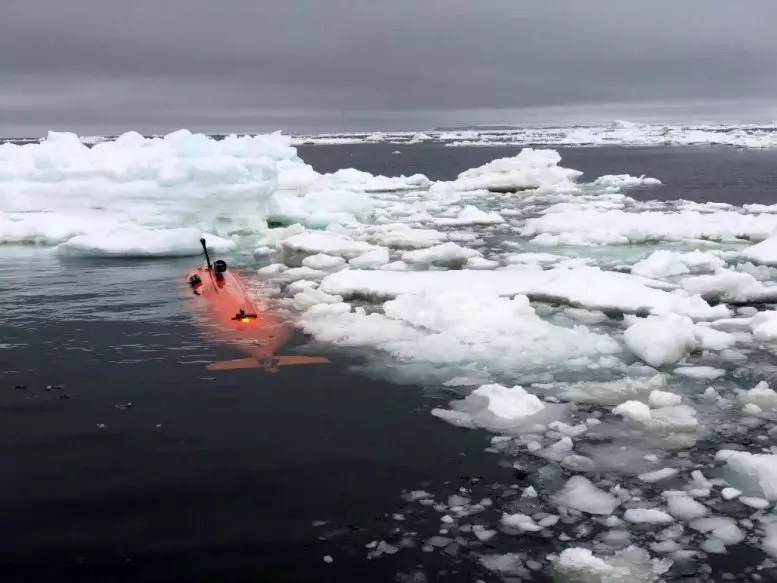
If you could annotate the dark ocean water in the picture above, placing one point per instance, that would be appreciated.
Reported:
(220, 477)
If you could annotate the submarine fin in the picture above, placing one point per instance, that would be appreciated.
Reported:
(234, 364)
(269, 364)
(292, 360)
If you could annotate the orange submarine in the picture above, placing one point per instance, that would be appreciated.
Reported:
(228, 314)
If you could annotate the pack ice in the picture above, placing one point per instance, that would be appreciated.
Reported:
(594, 337)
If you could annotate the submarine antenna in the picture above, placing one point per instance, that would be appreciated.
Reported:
(205, 248)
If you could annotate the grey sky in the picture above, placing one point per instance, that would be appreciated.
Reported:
(105, 66)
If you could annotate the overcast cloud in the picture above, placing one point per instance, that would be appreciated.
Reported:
(106, 66)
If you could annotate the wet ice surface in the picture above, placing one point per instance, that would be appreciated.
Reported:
(611, 340)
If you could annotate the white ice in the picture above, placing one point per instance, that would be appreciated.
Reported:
(587, 287)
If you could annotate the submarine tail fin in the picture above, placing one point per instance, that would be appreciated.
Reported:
(270, 364)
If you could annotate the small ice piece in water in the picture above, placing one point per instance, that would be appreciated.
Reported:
(753, 474)
(761, 395)
(658, 475)
(647, 515)
(764, 252)
(700, 372)
(764, 326)
(677, 418)
(663, 263)
(663, 399)
(493, 406)
(730, 493)
(633, 564)
(520, 522)
(508, 564)
(374, 259)
(323, 262)
(445, 255)
(713, 545)
(753, 502)
(661, 340)
(578, 564)
(635, 411)
(580, 494)
(686, 508)
(325, 242)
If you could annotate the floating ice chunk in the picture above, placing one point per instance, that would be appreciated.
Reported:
(711, 339)
(480, 263)
(301, 285)
(619, 182)
(663, 399)
(272, 269)
(635, 411)
(297, 273)
(395, 266)
(658, 475)
(530, 169)
(497, 408)
(323, 262)
(585, 316)
(311, 297)
(520, 522)
(578, 564)
(445, 255)
(359, 181)
(578, 463)
(753, 474)
(507, 403)
(730, 493)
(320, 208)
(587, 287)
(558, 450)
(764, 252)
(471, 215)
(761, 395)
(539, 258)
(569, 430)
(612, 392)
(404, 237)
(595, 226)
(374, 259)
(677, 418)
(730, 286)
(662, 264)
(647, 515)
(769, 542)
(60, 187)
(507, 564)
(661, 340)
(722, 528)
(632, 564)
(460, 326)
(686, 508)
(700, 372)
(325, 242)
(754, 502)
(764, 326)
(144, 243)
(580, 494)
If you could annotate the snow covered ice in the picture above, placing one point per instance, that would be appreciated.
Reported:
(594, 338)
